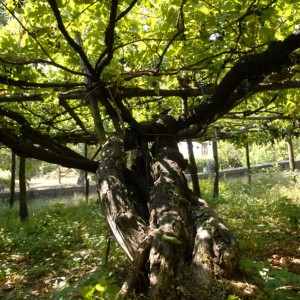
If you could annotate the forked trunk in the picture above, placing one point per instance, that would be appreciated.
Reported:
(176, 243)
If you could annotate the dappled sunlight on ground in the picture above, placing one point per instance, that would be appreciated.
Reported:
(62, 248)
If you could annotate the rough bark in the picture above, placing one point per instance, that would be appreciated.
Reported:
(191, 244)
(182, 246)
(170, 224)
(129, 229)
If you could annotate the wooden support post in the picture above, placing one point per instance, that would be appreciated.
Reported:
(23, 197)
(216, 166)
(248, 164)
(87, 183)
(12, 179)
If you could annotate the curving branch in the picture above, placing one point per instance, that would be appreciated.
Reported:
(26, 30)
(127, 116)
(35, 136)
(24, 148)
(72, 113)
(29, 142)
(161, 56)
(126, 11)
(127, 92)
(50, 62)
(81, 12)
(109, 40)
(245, 75)
(23, 83)
(266, 87)
(69, 39)
(40, 61)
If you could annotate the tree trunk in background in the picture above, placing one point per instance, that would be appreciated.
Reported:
(216, 166)
(81, 177)
(193, 168)
(291, 155)
(87, 183)
(179, 246)
(248, 164)
(12, 179)
(59, 175)
(290, 151)
(22, 182)
(94, 105)
(192, 162)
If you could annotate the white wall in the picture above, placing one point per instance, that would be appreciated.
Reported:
(200, 149)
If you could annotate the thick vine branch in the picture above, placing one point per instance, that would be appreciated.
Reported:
(24, 149)
(249, 71)
(36, 137)
(126, 114)
(72, 113)
(138, 92)
(257, 118)
(23, 83)
(126, 11)
(39, 61)
(109, 39)
(69, 39)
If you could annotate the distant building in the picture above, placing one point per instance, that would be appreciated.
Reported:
(200, 149)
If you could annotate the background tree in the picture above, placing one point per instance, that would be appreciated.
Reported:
(93, 70)
(23, 197)
(12, 179)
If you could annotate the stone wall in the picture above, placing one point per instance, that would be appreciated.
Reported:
(242, 171)
(55, 192)
(49, 193)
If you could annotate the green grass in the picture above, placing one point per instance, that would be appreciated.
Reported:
(60, 252)
(59, 245)
(266, 210)
(265, 218)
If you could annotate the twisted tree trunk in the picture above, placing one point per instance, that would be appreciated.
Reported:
(176, 243)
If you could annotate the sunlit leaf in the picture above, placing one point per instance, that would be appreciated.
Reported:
(171, 239)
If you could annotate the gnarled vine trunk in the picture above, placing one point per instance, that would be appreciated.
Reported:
(176, 243)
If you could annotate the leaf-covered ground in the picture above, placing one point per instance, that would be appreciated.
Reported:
(265, 217)
(63, 251)
(59, 251)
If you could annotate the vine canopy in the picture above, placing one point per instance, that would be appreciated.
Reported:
(78, 70)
